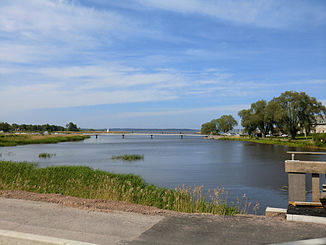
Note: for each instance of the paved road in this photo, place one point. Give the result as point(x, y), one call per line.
point(131, 228)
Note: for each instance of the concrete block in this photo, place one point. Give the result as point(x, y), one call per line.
point(275, 212)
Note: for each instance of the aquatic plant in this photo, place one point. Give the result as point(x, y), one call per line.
point(127, 157)
point(13, 139)
point(46, 155)
point(84, 182)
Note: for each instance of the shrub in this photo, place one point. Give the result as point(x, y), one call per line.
point(319, 139)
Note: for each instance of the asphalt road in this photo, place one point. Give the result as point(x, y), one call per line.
point(54, 220)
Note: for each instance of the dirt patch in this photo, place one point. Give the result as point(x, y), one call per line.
point(86, 204)
point(110, 206)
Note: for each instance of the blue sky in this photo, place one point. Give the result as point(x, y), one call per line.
point(155, 63)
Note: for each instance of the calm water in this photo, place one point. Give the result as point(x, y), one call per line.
point(240, 167)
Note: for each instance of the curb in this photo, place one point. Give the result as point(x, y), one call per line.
point(20, 238)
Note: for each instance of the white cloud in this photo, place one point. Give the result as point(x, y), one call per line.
point(40, 96)
point(262, 13)
point(233, 109)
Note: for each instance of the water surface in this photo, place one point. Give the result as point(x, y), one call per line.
point(242, 168)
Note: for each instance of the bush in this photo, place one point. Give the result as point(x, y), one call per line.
point(319, 139)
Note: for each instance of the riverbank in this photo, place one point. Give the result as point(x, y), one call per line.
point(301, 142)
point(84, 182)
point(24, 139)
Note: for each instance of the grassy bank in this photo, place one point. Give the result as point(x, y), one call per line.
point(23, 139)
point(300, 142)
point(84, 182)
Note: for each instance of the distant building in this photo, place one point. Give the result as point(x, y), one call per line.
point(108, 130)
point(320, 126)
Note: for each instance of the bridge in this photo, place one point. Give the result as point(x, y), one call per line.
point(151, 135)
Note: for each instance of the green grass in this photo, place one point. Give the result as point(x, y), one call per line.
point(301, 142)
point(46, 155)
point(127, 157)
point(84, 182)
point(13, 140)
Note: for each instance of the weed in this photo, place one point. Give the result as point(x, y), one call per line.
point(127, 157)
point(46, 155)
point(13, 140)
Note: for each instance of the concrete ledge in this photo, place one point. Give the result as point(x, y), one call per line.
point(306, 218)
point(19, 238)
point(317, 241)
point(275, 212)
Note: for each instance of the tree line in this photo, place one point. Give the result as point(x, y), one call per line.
point(6, 127)
point(288, 113)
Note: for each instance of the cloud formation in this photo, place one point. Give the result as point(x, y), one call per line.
point(183, 56)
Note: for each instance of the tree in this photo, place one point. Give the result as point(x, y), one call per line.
point(5, 127)
point(72, 127)
point(247, 121)
point(225, 123)
point(295, 111)
point(208, 128)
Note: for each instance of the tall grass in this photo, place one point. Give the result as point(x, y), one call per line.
point(46, 155)
point(84, 182)
point(127, 157)
point(13, 140)
point(304, 143)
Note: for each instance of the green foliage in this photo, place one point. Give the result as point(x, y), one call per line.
point(127, 157)
point(6, 127)
point(225, 123)
point(295, 111)
point(46, 155)
point(290, 112)
point(72, 127)
point(304, 143)
point(84, 182)
point(208, 128)
point(13, 139)
point(319, 139)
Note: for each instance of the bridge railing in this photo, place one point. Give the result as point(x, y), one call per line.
point(297, 171)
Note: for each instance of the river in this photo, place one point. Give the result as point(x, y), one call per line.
point(242, 168)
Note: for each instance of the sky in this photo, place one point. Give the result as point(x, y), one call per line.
point(155, 63)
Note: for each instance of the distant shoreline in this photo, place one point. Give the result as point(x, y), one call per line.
point(25, 138)
point(306, 143)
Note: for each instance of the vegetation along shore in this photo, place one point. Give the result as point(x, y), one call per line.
point(312, 142)
point(84, 182)
point(23, 139)
point(293, 119)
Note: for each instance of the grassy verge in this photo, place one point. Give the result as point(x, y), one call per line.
point(301, 142)
point(13, 139)
point(84, 182)
point(127, 157)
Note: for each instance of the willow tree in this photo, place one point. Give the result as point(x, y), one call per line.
point(225, 123)
point(296, 111)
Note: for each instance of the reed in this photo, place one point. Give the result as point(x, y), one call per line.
point(13, 139)
point(127, 157)
point(300, 142)
point(46, 155)
point(84, 182)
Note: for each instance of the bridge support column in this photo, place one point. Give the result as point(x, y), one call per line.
point(297, 187)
